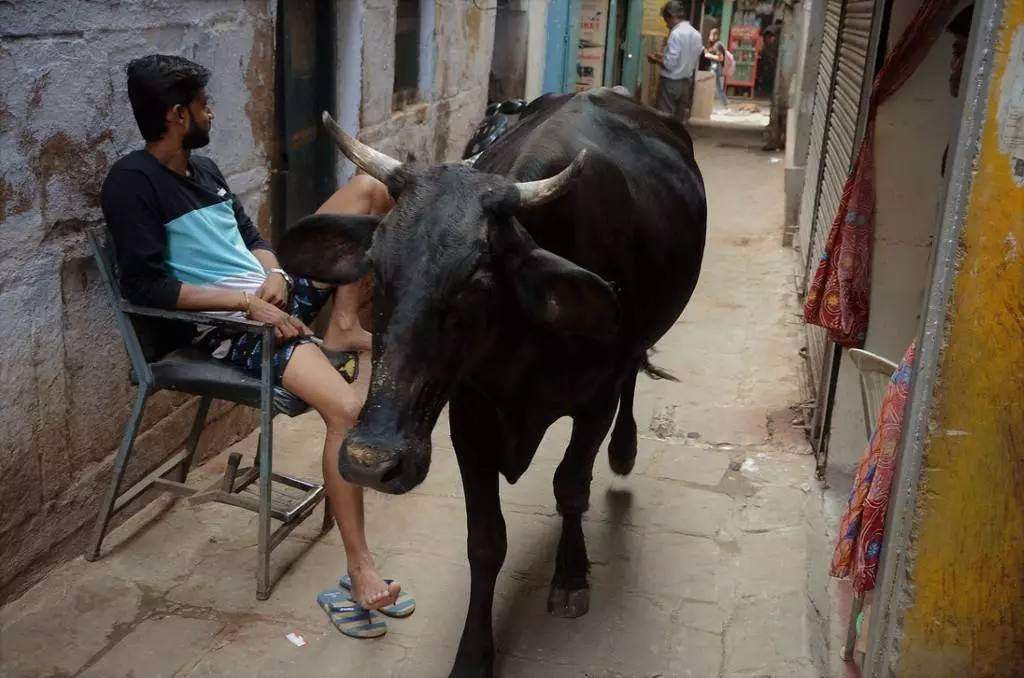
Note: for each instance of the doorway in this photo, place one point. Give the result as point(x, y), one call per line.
point(303, 169)
point(618, 18)
point(593, 43)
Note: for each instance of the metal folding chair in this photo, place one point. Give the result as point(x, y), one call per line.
point(192, 371)
point(875, 373)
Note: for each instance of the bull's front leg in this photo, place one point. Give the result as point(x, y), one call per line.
point(486, 540)
point(569, 595)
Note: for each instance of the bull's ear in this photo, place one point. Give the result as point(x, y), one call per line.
point(328, 248)
point(556, 291)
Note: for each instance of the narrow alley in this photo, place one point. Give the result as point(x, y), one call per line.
point(699, 559)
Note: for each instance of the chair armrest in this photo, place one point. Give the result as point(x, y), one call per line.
point(194, 317)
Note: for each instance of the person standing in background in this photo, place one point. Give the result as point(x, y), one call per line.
point(678, 62)
point(715, 53)
point(767, 60)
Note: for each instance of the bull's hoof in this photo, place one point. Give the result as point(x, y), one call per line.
point(622, 460)
point(472, 672)
point(622, 450)
point(568, 603)
point(475, 662)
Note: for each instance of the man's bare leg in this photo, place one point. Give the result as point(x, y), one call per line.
point(309, 376)
point(362, 195)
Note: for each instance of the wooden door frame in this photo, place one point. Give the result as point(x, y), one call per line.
point(324, 25)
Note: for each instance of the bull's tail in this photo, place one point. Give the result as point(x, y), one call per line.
point(653, 371)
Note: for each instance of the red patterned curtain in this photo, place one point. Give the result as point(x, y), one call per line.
point(839, 293)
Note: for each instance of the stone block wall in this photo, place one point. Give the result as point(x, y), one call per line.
point(64, 118)
point(457, 50)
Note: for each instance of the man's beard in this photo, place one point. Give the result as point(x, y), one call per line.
point(196, 137)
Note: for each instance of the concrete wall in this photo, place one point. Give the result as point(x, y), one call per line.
point(511, 40)
point(913, 128)
point(64, 118)
point(457, 54)
point(790, 41)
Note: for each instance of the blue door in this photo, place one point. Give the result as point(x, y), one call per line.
point(631, 58)
point(556, 51)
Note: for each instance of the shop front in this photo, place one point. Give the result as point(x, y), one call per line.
point(950, 596)
point(912, 208)
point(594, 43)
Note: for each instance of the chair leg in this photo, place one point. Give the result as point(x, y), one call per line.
point(120, 464)
point(846, 654)
point(265, 461)
point(328, 522)
point(181, 472)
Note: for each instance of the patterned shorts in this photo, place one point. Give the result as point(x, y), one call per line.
point(246, 350)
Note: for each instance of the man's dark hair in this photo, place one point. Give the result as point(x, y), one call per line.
point(159, 82)
point(676, 9)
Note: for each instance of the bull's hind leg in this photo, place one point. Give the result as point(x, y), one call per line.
point(622, 447)
point(570, 592)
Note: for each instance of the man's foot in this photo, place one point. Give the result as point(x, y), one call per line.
point(370, 590)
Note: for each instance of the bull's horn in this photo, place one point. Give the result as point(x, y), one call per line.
point(537, 193)
point(378, 165)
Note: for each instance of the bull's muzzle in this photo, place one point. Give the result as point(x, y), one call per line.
point(391, 468)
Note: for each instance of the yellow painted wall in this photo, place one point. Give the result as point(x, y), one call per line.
point(653, 23)
point(967, 553)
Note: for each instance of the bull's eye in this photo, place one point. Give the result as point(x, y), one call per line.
point(469, 310)
point(500, 201)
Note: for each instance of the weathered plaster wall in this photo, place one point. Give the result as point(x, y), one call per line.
point(509, 64)
point(64, 118)
point(455, 65)
point(785, 68)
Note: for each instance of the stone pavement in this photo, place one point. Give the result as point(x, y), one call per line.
point(699, 558)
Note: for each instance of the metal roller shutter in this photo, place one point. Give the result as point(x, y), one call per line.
point(852, 22)
point(820, 116)
point(819, 119)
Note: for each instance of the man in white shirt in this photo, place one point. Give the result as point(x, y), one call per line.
point(678, 61)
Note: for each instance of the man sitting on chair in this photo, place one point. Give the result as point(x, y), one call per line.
point(184, 242)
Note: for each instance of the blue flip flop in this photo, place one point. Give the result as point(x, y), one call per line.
point(401, 608)
point(348, 617)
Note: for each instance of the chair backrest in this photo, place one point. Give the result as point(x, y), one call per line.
point(875, 373)
point(103, 253)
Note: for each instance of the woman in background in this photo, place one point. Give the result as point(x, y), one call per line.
point(715, 53)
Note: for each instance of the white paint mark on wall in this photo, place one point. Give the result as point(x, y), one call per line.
point(1010, 113)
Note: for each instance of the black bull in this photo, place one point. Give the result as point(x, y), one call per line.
point(517, 300)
